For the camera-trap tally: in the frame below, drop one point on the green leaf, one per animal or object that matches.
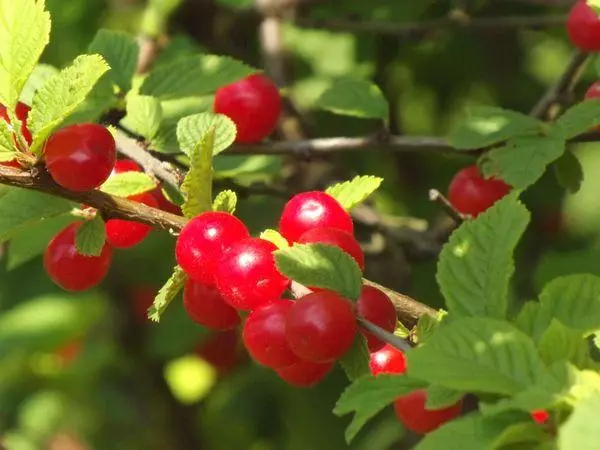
(369, 395)
(321, 266)
(97, 103)
(439, 397)
(192, 129)
(167, 293)
(569, 172)
(487, 125)
(355, 361)
(24, 34)
(581, 430)
(578, 119)
(355, 97)
(427, 325)
(559, 343)
(41, 73)
(61, 95)
(144, 115)
(121, 52)
(275, 237)
(477, 354)
(127, 184)
(194, 76)
(8, 151)
(225, 201)
(523, 160)
(90, 237)
(531, 321)
(351, 193)
(197, 185)
(476, 264)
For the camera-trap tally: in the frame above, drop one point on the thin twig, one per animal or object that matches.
(385, 336)
(439, 198)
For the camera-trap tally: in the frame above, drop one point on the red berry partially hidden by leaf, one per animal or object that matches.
(14, 163)
(80, 157)
(540, 416)
(127, 233)
(264, 335)
(377, 308)
(71, 270)
(387, 360)
(410, 410)
(583, 27)
(206, 307)
(337, 238)
(593, 91)
(22, 113)
(126, 165)
(320, 326)
(253, 104)
(203, 241)
(471, 194)
(247, 277)
(310, 210)
(305, 373)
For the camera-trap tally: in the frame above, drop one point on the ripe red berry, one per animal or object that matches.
(222, 350)
(338, 238)
(377, 308)
(540, 416)
(203, 241)
(126, 165)
(583, 27)
(247, 277)
(264, 335)
(387, 360)
(22, 113)
(304, 373)
(127, 233)
(593, 91)
(320, 326)
(410, 410)
(253, 103)
(71, 270)
(206, 307)
(310, 210)
(471, 194)
(80, 157)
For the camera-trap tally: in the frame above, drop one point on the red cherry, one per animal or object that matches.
(14, 163)
(410, 410)
(310, 210)
(387, 360)
(222, 350)
(253, 103)
(203, 241)
(126, 165)
(142, 299)
(71, 270)
(247, 276)
(338, 238)
(540, 416)
(127, 233)
(471, 194)
(304, 373)
(206, 307)
(593, 91)
(377, 308)
(583, 26)
(320, 327)
(22, 112)
(80, 157)
(264, 335)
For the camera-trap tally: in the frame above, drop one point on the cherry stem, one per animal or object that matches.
(437, 197)
(385, 336)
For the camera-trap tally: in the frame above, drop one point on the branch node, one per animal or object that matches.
(437, 197)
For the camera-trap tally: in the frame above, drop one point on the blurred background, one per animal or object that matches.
(90, 372)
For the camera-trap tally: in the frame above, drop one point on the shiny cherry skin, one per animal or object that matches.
(583, 27)
(410, 410)
(71, 270)
(337, 238)
(223, 351)
(264, 335)
(128, 233)
(203, 241)
(387, 360)
(540, 416)
(206, 307)
(376, 307)
(320, 326)
(247, 277)
(253, 104)
(22, 112)
(310, 210)
(471, 194)
(126, 165)
(80, 157)
(305, 374)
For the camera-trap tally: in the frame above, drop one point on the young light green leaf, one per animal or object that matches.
(581, 430)
(41, 73)
(355, 361)
(275, 237)
(578, 119)
(8, 151)
(439, 397)
(167, 293)
(121, 52)
(90, 237)
(191, 129)
(61, 95)
(426, 326)
(322, 266)
(523, 160)
(559, 343)
(355, 97)
(225, 201)
(197, 185)
(351, 193)
(476, 264)
(569, 172)
(144, 115)
(487, 125)
(194, 76)
(97, 103)
(369, 395)
(24, 34)
(128, 183)
(478, 355)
